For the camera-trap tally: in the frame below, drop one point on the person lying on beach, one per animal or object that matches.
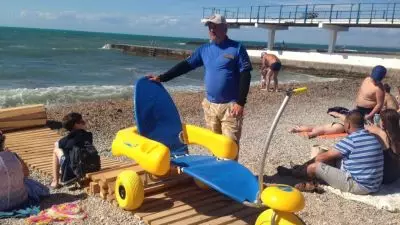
(388, 132)
(361, 156)
(13, 170)
(270, 67)
(371, 95)
(317, 130)
(66, 146)
(390, 101)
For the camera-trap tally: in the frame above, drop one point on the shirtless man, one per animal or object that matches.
(390, 101)
(371, 95)
(270, 68)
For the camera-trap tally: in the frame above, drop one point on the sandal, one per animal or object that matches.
(311, 187)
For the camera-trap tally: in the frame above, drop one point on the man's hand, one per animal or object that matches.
(237, 110)
(153, 78)
(368, 117)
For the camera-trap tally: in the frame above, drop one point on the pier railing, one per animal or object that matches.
(388, 13)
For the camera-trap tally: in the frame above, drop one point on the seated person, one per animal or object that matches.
(12, 173)
(314, 131)
(361, 171)
(389, 133)
(390, 101)
(77, 136)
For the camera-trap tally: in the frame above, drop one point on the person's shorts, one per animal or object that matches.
(62, 161)
(218, 119)
(276, 66)
(339, 179)
(364, 111)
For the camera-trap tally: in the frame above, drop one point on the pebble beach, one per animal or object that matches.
(105, 118)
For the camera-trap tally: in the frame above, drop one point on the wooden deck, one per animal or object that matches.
(35, 147)
(188, 204)
(171, 202)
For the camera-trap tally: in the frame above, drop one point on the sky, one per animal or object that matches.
(176, 18)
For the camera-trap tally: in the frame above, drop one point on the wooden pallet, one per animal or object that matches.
(175, 201)
(188, 204)
(35, 147)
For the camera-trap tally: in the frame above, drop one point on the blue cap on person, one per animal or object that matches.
(378, 73)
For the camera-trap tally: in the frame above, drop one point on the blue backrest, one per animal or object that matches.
(156, 115)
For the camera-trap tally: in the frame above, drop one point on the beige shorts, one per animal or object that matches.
(219, 119)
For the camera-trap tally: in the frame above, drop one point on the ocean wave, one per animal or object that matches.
(106, 46)
(181, 43)
(71, 94)
(18, 46)
(68, 49)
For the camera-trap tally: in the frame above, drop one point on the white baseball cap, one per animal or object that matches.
(216, 19)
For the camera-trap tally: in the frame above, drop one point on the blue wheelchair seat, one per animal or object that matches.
(226, 176)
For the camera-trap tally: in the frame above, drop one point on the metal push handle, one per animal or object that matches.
(289, 93)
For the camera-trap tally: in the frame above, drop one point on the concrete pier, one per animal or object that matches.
(152, 51)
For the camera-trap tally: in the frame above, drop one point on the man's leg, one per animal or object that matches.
(232, 126)
(336, 178)
(211, 112)
(263, 78)
(270, 74)
(275, 76)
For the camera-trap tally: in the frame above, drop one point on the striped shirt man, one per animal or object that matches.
(362, 158)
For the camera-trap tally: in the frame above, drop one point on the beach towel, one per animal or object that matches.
(66, 212)
(325, 136)
(388, 198)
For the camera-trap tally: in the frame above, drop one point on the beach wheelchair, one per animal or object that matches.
(160, 141)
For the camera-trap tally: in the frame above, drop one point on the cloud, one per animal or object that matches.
(102, 18)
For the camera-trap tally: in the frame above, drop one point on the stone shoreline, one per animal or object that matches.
(105, 118)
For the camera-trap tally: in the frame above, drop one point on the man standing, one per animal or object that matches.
(362, 160)
(227, 78)
(270, 68)
(371, 95)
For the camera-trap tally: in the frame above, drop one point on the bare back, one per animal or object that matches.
(366, 96)
(390, 102)
(269, 59)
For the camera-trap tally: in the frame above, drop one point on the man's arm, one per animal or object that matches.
(380, 98)
(245, 67)
(191, 63)
(244, 86)
(329, 155)
(176, 71)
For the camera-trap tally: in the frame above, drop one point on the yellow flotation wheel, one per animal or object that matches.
(269, 217)
(201, 185)
(129, 190)
(283, 198)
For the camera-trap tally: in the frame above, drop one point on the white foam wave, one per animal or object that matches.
(70, 94)
(131, 69)
(65, 94)
(17, 46)
(181, 43)
(106, 46)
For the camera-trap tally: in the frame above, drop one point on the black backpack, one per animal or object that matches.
(81, 157)
(84, 158)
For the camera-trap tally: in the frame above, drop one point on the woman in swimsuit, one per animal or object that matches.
(389, 133)
(314, 131)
